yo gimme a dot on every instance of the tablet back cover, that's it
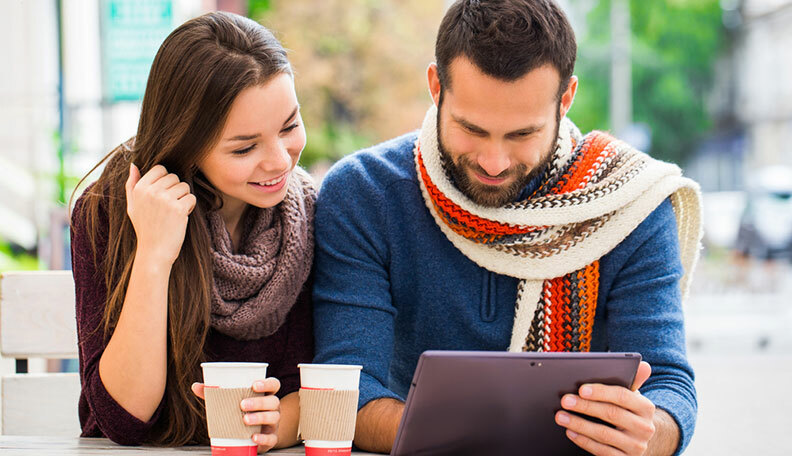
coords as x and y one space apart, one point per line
489 403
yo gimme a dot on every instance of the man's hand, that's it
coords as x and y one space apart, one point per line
632 415
377 424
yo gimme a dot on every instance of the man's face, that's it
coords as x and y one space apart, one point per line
496 135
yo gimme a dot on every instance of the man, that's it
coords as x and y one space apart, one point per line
499 226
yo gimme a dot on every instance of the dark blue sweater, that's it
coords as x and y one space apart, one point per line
390 285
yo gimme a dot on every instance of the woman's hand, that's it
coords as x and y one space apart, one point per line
261 411
158 205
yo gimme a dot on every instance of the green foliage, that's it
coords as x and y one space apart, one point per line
258 7
674 47
359 67
330 142
16 261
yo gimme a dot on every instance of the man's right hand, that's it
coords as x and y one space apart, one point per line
158 204
377 424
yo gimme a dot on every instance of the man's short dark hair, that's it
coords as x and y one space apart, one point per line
506 39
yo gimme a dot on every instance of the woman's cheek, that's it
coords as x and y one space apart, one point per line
296 144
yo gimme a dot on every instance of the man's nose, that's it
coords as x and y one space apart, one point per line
494 159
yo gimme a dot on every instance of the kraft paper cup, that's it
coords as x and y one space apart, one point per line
233 375
329 377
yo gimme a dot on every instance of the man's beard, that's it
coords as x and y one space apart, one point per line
492 195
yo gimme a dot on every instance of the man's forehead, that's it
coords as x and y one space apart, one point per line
476 96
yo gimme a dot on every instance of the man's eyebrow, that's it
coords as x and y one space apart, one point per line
525 131
249 137
468 125
476 129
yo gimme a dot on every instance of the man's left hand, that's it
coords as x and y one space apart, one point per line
631 415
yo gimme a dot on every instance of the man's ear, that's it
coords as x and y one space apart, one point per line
433 79
569 96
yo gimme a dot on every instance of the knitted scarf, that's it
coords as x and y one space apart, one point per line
256 287
595 192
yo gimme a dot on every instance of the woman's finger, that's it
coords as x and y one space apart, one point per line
179 190
262 418
260 404
166 182
198 389
188 203
268 385
265 441
153 175
132 180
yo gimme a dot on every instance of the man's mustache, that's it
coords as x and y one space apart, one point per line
508 172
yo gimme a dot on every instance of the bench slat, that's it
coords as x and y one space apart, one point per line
37 315
36 404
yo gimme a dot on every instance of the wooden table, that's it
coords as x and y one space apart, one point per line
75 446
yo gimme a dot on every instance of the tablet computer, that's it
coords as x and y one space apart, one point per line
498 403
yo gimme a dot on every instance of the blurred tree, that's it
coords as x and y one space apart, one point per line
674 48
256 8
16 259
360 67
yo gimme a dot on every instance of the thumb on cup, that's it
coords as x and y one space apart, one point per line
198 389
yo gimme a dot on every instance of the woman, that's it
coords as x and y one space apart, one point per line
196 243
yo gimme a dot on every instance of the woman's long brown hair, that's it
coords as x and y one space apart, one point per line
199 70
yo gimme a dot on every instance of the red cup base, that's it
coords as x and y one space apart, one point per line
311 451
234 451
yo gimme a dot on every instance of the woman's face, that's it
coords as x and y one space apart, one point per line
258 148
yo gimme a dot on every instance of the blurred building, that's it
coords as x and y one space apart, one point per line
29 116
763 71
752 99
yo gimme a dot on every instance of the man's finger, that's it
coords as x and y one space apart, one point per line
618 395
610 413
644 371
592 446
608 440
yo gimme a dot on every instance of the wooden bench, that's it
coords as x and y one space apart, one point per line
37 320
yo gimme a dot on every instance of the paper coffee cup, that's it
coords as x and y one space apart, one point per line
233 375
329 377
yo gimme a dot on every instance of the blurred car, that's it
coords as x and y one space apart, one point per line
765 230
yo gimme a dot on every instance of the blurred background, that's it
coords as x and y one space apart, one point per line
702 83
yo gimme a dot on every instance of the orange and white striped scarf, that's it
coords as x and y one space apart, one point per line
595 193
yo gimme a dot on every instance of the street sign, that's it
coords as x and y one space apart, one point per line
132 32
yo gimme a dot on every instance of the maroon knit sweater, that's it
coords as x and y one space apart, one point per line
100 414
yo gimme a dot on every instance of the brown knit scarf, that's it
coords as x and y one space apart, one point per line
255 288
